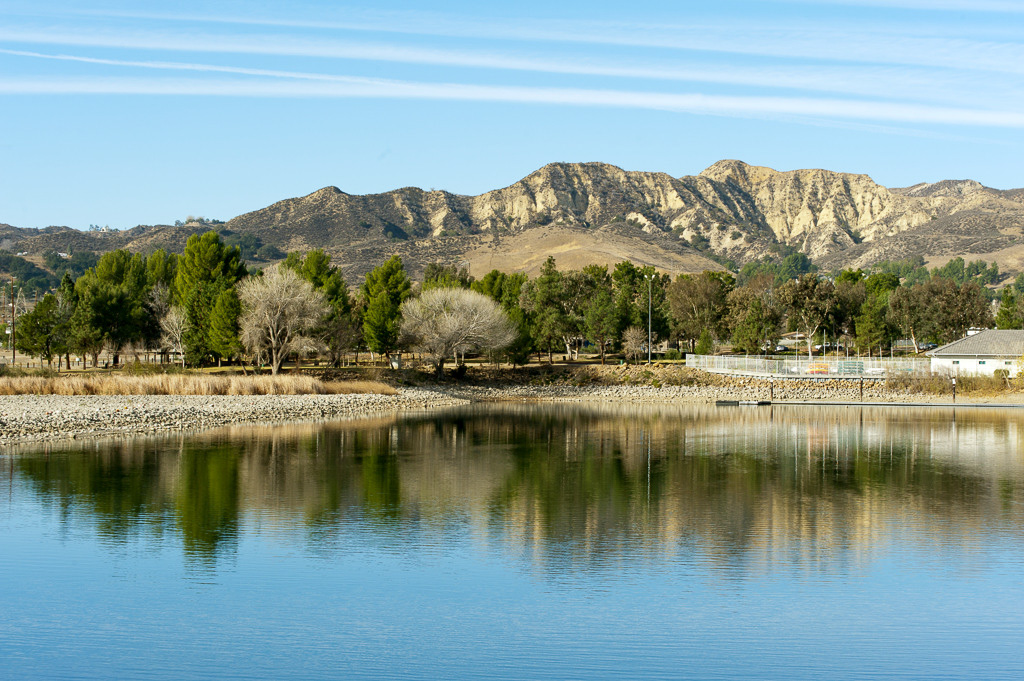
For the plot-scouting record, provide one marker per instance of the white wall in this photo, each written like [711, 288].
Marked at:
[985, 366]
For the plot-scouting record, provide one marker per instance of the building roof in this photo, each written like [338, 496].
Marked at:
[989, 343]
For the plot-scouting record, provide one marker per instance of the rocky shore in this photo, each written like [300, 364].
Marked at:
[47, 417]
[26, 418]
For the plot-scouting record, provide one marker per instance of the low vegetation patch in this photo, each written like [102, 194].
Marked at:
[936, 384]
[186, 384]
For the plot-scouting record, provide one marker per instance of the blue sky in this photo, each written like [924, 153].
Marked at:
[126, 113]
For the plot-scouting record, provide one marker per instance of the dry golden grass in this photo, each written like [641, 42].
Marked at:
[186, 384]
[936, 384]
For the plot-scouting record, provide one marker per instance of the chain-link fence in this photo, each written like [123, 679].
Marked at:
[853, 367]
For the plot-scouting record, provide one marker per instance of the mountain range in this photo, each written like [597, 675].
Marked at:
[585, 213]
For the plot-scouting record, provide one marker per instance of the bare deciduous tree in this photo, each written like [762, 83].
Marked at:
[444, 321]
[173, 326]
[278, 310]
[634, 342]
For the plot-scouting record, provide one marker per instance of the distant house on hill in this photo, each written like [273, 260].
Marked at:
[981, 353]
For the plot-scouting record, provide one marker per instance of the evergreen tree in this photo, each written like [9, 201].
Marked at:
[316, 268]
[705, 344]
[161, 267]
[436, 275]
[35, 329]
[881, 281]
[491, 285]
[224, 328]
[206, 260]
[507, 290]
[632, 286]
[544, 298]
[519, 350]
[382, 321]
[112, 305]
[873, 327]
[600, 320]
[205, 269]
[1018, 284]
[384, 290]
[1009, 316]
[198, 308]
[85, 337]
[67, 303]
[339, 328]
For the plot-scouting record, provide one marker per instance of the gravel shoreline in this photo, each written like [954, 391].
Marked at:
[28, 418]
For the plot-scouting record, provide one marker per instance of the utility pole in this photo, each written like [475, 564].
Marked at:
[650, 283]
[14, 352]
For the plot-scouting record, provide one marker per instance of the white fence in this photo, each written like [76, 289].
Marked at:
[851, 367]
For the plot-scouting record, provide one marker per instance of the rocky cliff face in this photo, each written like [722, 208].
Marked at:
[820, 211]
[842, 219]
[691, 211]
[730, 210]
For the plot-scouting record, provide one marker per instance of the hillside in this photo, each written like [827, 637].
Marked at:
[595, 212]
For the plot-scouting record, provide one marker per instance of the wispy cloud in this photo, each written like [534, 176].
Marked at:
[867, 44]
[998, 6]
[880, 82]
[890, 82]
[914, 80]
[346, 87]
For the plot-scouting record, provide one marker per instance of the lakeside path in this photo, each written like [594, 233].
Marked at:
[51, 418]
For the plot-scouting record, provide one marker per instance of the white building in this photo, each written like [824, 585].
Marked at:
[981, 353]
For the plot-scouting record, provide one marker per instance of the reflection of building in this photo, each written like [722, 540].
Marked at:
[982, 353]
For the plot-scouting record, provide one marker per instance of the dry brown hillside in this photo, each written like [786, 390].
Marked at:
[584, 213]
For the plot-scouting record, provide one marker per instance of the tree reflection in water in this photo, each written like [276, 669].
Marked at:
[564, 488]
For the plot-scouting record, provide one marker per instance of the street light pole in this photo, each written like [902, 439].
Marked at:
[14, 352]
[650, 280]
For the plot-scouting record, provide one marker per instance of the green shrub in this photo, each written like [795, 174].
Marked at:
[705, 344]
[672, 353]
[137, 368]
[16, 371]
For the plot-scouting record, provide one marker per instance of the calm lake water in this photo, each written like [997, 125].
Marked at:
[537, 542]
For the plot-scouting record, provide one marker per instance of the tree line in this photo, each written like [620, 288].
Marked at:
[206, 306]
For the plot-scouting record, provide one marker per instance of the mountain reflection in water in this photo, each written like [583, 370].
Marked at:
[564, 489]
